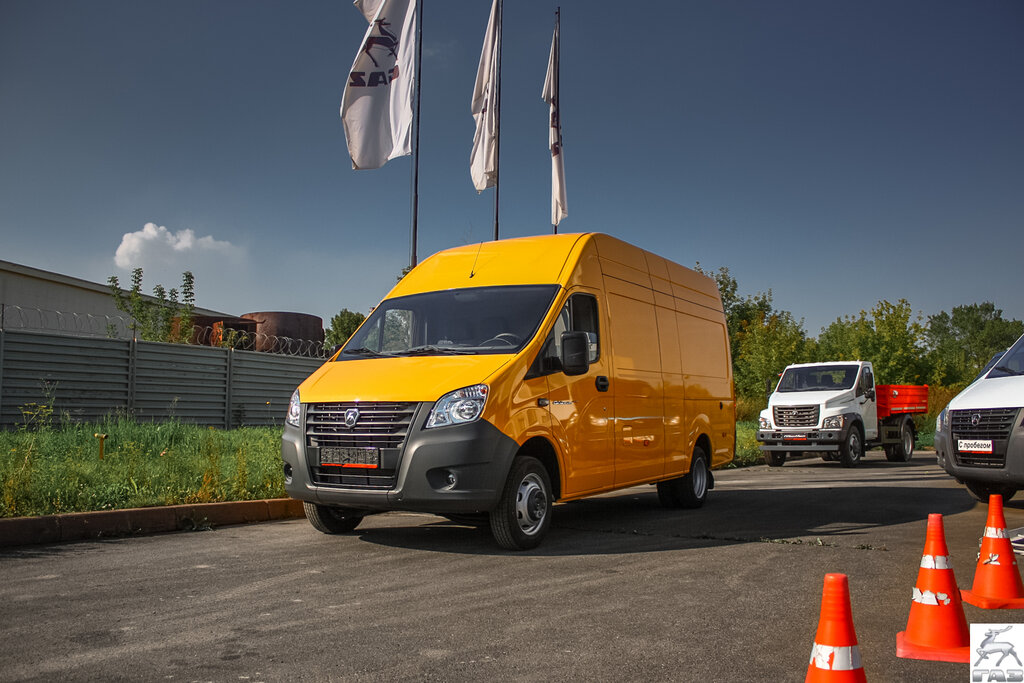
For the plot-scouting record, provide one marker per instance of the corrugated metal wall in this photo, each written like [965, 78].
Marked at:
[88, 378]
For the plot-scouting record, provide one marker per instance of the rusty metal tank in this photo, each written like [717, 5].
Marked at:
[285, 332]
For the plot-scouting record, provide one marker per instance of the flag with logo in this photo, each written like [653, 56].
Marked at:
[559, 209]
[377, 107]
[483, 162]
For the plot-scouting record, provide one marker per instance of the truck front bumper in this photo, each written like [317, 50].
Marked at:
[813, 439]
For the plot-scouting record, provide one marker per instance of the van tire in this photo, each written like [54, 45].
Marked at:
[523, 515]
[690, 490]
[331, 520]
[852, 449]
[775, 458]
[982, 490]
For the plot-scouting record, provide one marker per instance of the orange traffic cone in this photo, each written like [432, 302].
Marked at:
[937, 629]
[835, 656]
[997, 583]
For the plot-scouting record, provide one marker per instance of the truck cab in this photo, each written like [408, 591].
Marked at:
[835, 409]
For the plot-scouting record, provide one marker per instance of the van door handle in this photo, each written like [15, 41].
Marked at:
[602, 383]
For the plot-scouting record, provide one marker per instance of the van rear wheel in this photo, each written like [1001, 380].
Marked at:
[690, 490]
[331, 520]
[523, 515]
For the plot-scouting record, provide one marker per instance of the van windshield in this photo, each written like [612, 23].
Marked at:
[818, 378]
[479, 320]
[1011, 363]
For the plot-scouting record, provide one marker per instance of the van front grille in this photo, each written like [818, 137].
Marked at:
[989, 424]
[795, 416]
[375, 425]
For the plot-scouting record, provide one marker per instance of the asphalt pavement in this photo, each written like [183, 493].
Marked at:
[621, 589]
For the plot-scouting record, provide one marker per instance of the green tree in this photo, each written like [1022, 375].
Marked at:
[887, 336]
[163, 317]
[959, 344]
[342, 326]
[766, 347]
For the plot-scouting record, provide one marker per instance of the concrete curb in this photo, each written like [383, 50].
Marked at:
[77, 526]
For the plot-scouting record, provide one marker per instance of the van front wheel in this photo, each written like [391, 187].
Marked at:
[690, 490]
[523, 515]
[331, 520]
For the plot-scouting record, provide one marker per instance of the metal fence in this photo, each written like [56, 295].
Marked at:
[84, 379]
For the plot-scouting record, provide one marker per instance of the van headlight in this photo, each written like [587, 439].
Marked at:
[833, 422]
[458, 407]
[294, 410]
[940, 421]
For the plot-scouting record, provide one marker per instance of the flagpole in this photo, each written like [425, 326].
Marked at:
[497, 120]
[558, 70]
[416, 141]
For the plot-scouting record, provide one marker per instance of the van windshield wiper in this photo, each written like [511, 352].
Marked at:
[1008, 371]
[431, 350]
[363, 351]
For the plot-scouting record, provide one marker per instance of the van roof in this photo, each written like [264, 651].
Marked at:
[551, 259]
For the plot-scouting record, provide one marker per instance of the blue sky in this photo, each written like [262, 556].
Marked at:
[836, 153]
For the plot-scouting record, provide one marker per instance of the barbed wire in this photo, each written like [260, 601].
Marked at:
[118, 327]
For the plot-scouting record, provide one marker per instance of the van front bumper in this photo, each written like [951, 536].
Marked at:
[455, 469]
[1004, 466]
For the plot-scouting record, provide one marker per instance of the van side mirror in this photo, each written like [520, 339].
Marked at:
[870, 393]
[575, 353]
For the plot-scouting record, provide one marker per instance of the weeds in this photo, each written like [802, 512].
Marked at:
[53, 469]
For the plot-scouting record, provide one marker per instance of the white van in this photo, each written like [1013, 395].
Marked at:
[979, 436]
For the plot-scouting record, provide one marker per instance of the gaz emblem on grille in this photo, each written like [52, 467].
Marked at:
[351, 417]
[975, 419]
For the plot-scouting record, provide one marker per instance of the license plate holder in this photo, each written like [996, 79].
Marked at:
[360, 458]
[974, 445]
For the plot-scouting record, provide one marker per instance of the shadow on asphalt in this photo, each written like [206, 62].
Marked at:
[843, 512]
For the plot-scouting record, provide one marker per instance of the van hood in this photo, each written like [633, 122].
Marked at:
[991, 392]
[830, 399]
[416, 378]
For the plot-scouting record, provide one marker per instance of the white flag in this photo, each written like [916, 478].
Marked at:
[483, 162]
[377, 105]
[559, 208]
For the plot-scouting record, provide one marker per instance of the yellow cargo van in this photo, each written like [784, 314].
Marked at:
[498, 378]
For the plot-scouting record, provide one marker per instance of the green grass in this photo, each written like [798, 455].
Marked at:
[52, 470]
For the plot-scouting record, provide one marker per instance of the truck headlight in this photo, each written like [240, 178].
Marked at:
[833, 422]
[294, 410]
[458, 407]
[764, 423]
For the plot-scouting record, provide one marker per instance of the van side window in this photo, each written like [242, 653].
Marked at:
[578, 315]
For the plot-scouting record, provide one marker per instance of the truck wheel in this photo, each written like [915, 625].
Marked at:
[690, 490]
[331, 520]
[852, 449]
[523, 515]
[904, 450]
[982, 490]
[775, 458]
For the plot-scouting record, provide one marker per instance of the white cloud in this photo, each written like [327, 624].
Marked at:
[155, 244]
